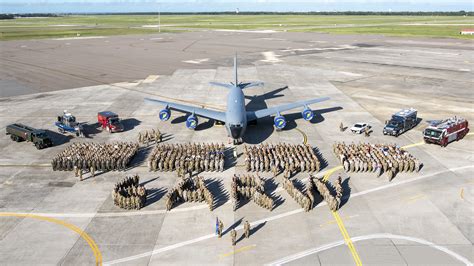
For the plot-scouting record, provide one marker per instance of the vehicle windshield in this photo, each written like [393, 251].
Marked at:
[357, 125]
[432, 133]
[393, 123]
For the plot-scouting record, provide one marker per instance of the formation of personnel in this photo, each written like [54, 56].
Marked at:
[149, 136]
[285, 157]
[333, 201]
[129, 194]
[187, 158]
[377, 158]
[303, 199]
[250, 187]
[191, 189]
[90, 156]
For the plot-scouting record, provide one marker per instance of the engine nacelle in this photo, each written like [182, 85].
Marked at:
[307, 114]
[165, 114]
[279, 121]
[191, 122]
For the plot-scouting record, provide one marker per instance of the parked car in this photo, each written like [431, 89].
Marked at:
[360, 128]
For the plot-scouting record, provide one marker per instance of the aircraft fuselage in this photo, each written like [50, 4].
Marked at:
[236, 115]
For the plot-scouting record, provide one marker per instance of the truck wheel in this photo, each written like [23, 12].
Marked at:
[38, 146]
[12, 137]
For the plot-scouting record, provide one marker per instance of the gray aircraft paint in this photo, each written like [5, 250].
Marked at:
[235, 117]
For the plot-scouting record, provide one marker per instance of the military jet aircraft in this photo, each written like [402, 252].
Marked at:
[235, 117]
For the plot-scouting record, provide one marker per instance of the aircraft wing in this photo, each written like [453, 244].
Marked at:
[216, 115]
[253, 115]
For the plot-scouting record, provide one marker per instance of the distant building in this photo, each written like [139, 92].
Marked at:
[467, 32]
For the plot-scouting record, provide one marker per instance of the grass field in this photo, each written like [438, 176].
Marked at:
[69, 26]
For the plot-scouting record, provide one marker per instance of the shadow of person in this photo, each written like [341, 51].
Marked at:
[270, 187]
[256, 228]
[154, 195]
[346, 191]
[233, 226]
[216, 187]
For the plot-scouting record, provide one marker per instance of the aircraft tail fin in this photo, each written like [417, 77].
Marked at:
[236, 80]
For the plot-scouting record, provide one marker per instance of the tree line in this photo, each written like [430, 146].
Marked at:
[322, 13]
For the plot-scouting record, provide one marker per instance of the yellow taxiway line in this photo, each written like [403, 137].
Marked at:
[237, 251]
[305, 138]
[347, 238]
[84, 235]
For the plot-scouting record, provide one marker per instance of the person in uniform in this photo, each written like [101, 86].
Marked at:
[247, 229]
[233, 235]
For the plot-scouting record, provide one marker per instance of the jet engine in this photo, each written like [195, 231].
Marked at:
[165, 114]
[279, 121]
[191, 122]
[307, 114]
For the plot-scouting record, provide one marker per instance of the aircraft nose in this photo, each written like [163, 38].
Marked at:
[235, 131]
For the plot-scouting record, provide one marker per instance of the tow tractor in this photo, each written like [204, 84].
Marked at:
[442, 132]
[67, 123]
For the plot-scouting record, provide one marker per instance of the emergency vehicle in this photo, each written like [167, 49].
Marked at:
[110, 121]
[442, 132]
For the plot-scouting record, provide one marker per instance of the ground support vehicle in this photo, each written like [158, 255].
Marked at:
[442, 132]
[20, 132]
[110, 121]
[67, 123]
[400, 122]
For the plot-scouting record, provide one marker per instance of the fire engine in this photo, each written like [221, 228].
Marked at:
[442, 132]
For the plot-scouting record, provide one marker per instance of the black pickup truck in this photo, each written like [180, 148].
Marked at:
[20, 132]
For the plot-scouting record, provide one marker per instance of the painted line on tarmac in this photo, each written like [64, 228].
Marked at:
[347, 239]
[415, 198]
[283, 215]
[82, 234]
[334, 221]
[150, 79]
[413, 145]
[369, 237]
[26, 165]
[330, 172]
[237, 251]
[305, 138]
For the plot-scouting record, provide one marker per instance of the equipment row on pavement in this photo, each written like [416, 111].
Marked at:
[95, 156]
[281, 157]
[195, 157]
[250, 187]
[129, 194]
[190, 189]
[376, 158]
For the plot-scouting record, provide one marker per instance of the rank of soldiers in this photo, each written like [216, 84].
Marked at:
[189, 189]
[187, 158]
[250, 187]
[306, 197]
[95, 156]
[289, 158]
[149, 136]
[376, 158]
[333, 201]
[129, 194]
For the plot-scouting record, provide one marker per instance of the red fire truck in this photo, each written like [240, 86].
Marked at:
[442, 132]
[109, 121]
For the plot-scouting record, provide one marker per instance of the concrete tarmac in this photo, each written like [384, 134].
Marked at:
[420, 218]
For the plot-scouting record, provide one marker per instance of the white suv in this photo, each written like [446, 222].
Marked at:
[360, 128]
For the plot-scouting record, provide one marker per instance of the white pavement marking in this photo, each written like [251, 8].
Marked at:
[151, 78]
[341, 47]
[282, 215]
[367, 237]
[248, 31]
[196, 61]
[80, 38]
[270, 57]
[154, 39]
[351, 74]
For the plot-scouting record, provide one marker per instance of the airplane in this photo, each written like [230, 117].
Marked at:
[236, 117]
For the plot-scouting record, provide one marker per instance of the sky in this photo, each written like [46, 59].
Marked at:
[91, 6]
